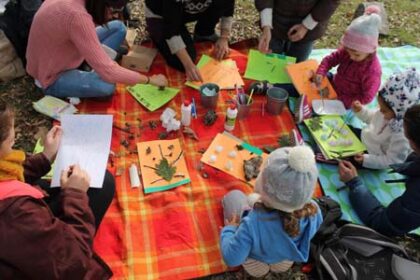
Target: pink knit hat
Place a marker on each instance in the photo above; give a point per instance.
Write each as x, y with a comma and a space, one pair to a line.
362, 34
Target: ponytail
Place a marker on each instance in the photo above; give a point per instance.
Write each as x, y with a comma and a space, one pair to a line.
291, 220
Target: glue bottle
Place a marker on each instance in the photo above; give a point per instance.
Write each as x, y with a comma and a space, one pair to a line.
231, 114
186, 113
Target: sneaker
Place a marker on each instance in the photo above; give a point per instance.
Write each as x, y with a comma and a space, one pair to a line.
295, 138
259, 87
302, 110
204, 38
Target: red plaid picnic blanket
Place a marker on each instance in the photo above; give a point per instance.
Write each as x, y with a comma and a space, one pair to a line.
173, 234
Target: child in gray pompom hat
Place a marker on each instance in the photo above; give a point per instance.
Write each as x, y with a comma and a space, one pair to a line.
278, 221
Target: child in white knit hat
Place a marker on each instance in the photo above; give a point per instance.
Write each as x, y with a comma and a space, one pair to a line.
384, 136
359, 71
276, 223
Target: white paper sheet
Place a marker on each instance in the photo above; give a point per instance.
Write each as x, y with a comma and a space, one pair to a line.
86, 141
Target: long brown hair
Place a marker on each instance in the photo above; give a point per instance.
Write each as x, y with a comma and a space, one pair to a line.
291, 220
6, 121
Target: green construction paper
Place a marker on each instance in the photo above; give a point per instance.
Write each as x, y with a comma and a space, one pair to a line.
39, 148
151, 97
268, 67
328, 150
203, 61
166, 187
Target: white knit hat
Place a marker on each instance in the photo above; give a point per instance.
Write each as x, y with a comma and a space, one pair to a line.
287, 179
363, 33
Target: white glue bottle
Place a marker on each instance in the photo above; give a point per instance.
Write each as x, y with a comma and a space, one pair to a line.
186, 113
231, 114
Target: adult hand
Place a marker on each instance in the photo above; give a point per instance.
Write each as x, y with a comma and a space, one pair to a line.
221, 48
356, 106
264, 41
297, 32
359, 158
52, 142
233, 222
159, 80
193, 74
75, 178
347, 171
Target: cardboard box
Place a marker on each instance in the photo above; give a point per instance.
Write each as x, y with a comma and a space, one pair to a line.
139, 58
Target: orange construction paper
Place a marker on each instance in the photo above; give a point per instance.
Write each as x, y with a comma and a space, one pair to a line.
229, 144
225, 75
149, 175
301, 73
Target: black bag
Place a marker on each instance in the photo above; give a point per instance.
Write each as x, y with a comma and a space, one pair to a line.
345, 251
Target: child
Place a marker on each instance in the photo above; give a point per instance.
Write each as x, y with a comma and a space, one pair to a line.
279, 228
359, 71
402, 215
46, 235
383, 136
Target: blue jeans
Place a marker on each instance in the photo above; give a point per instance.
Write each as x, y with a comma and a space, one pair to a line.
77, 83
300, 50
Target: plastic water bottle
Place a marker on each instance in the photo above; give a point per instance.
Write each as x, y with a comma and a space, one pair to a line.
186, 113
231, 114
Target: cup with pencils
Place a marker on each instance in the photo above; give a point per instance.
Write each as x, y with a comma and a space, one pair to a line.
243, 102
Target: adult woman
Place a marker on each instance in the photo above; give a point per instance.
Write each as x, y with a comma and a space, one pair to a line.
403, 214
63, 35
166, 21
40, 240
291, 27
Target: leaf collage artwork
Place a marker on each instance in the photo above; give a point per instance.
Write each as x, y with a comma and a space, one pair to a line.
334, 137
162, 165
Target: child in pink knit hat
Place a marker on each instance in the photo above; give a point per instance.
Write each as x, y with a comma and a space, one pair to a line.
359, 71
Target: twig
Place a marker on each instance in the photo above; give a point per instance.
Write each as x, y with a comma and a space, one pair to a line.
160, 150
157, 180
179, 176
126, 130
150, 167
180, 154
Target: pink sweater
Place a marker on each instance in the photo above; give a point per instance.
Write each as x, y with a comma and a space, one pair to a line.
354, 80
62, 36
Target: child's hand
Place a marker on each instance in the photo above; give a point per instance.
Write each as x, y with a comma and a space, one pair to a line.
233, 222
356, 106
265, 38
159, 80
52, 141
347, 171
318, 80
359, 158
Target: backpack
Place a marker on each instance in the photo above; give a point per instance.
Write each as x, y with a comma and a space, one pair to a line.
346, 251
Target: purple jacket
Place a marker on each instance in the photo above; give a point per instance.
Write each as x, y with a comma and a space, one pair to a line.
354, 80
